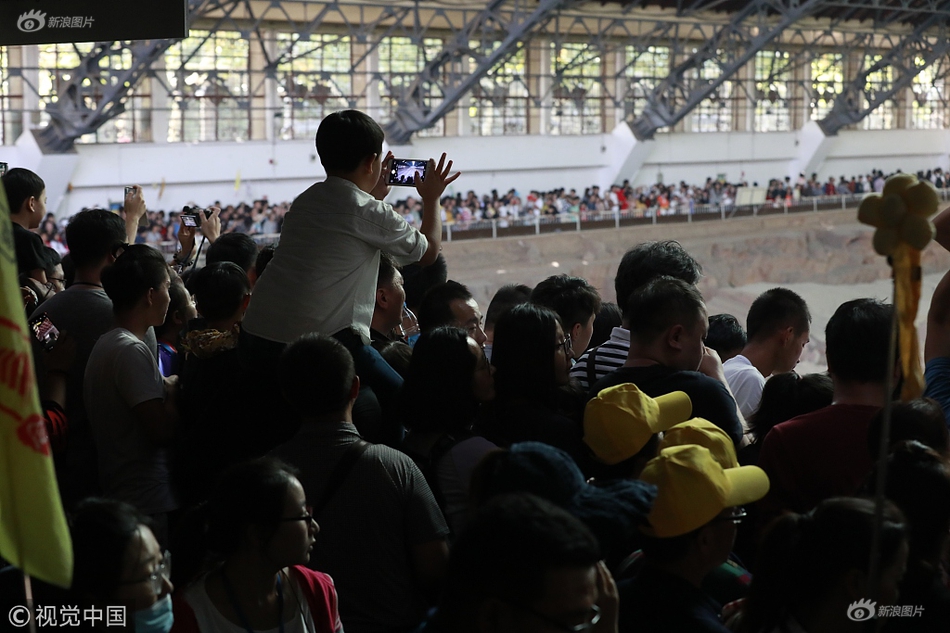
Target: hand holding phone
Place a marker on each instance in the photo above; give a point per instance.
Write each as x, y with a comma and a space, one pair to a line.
133, 201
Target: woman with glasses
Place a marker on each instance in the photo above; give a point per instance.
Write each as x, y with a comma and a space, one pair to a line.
535, 400
120, 573
260, 532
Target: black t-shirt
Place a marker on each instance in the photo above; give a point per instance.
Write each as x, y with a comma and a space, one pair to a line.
30, 250
657, 602
711, 400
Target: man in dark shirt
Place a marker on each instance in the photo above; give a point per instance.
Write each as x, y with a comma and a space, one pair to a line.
667, 326
820, 455
26, 195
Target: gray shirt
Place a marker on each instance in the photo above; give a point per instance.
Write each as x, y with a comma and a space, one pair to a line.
121, 374
382, 509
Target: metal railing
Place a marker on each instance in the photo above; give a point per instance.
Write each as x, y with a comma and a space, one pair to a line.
676, 214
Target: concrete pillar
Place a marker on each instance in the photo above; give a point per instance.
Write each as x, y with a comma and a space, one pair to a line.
15, 118
31, 77
160, 114
743, 105
801, 101
261, 125
608, 68
365, 82
539, 65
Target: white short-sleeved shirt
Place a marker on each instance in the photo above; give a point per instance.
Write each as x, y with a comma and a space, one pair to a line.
323, 275
746, 383
122, 373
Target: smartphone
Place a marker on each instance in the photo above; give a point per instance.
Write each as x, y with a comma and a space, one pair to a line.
403, 171
44, 330
3, 168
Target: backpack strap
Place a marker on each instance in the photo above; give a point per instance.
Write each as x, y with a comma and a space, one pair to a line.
340, 473
592, 367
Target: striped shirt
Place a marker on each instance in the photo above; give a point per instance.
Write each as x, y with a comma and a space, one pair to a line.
607, 358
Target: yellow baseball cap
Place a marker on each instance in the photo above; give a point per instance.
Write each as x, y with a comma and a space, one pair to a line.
621, 419
703, 433
692, 489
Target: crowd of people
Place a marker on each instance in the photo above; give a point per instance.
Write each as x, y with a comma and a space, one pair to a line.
462, 211
332, 434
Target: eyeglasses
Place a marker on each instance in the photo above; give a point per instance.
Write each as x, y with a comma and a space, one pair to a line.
566, 344
163, 572
736, 516
592, 619
306, 517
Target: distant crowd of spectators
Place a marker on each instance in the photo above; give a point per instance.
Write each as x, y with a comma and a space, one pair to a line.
264, 218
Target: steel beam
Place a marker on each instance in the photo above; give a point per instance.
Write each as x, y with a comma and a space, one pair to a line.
927, 44
731, 47
445, 77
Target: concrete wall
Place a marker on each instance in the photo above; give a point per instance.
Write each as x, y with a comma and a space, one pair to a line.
178, 174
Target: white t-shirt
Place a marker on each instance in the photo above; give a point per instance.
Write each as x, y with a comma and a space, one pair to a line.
122, 373
323, 275
210, 619
746, 383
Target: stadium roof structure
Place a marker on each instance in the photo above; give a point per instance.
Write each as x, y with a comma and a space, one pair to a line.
901, 38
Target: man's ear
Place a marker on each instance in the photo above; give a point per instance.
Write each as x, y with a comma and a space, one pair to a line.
787, 336
576, 331
369, 162
675, 335
354, 388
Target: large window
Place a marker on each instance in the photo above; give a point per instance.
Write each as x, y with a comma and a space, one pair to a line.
827, 82
314, 80
878, 81
208, 73
577, 105
400, 61
644, 69
714, 113
772, 92
929, 107
499, 103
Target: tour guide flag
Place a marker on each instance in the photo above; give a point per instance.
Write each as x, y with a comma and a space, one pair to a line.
33, 532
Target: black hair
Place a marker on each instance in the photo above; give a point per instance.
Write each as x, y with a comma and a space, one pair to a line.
918, 482
523, 353
263, 258
180, 297
774, 309
572, 298
507, 297
834, 537
786, 396
316, 373
387, 270
53, 259
649, 260
662, 303
138, 269
258, 487
921, 419
608, 317
21, 185
92, 234
219, 290
238, 248
437, 394
506, 551
435, 309
856, 341
345, 139
418, 279
725, 335
398, 355
101, 531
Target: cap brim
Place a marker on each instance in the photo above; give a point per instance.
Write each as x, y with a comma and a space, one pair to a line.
747, 484
675, 408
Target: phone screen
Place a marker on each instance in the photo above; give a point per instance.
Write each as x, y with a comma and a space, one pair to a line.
3, 168
189, 219
44, 330
403, 171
